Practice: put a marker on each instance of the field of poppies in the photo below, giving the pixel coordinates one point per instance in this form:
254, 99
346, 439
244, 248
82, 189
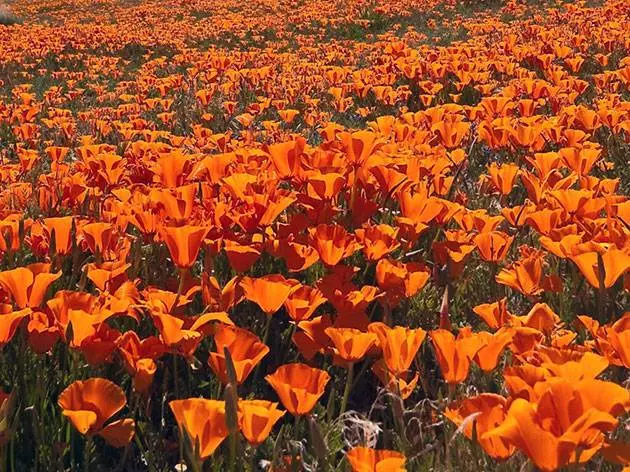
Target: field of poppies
315, 235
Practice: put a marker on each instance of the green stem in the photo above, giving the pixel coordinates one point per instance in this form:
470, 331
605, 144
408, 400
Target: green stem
601, 292
296, 426
358, 376
12, 453
176, 382
265, 338
175, 376
143, 450
451, 392
233, 446
70, 440
195, 463
180, 288
87, 453
267, 329
346, 391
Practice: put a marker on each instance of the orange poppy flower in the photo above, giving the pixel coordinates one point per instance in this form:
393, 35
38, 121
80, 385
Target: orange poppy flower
217, 298
366, 459
418, 206
520, 380
171, 168
43, 331
402, 384
89, 404
618, 336
399, 345
350, 344
503, 177
311, 337
97, 342
28, 285
454, 251
479, 220
525, 339
543, 221
298, 386
245, 349
540, 317
333, 243
241, 256
325, 186
568, 416
615, 263
203, 421
611, 340
495, 315
524, 276
268, 292
493, 346
60, 231
360, 145
487, 411
98, 236
108, 276
378, 241
451, 133
302, 303
9, 324
286, 157
351, 305
257, 418
184, 335
454, 354
402, 278
184, 243
298, 257
139, 358
571, 364
493, 246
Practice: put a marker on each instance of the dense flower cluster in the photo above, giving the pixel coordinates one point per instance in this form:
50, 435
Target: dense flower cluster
270, 224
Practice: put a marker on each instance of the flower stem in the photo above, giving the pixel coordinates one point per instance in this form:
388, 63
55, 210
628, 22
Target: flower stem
233, 446
176, 382
264, 340
346, 391
296, 426
267, 329
87, 453
180, 288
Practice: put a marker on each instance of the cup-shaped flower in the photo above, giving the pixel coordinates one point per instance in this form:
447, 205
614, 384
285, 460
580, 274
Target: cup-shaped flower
488, 411
9, 323
28, 285
184, 243
398, 344
298, 386
257, 418
565, 423
454, 354
351, 344
89, 404
268, 292
366, 459
245, 349
203, 421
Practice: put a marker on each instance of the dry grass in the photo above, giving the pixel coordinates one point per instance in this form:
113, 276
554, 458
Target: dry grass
7, 17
